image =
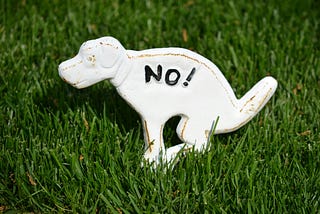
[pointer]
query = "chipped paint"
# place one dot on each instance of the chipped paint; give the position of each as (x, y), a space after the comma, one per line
(184, 128)
(188, 149)
(250, 100)
(71, 66)
(207, 133)
(149, 143)
(108, 44)
(161, 134)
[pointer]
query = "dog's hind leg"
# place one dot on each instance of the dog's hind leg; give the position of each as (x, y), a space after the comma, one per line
(173, 151)
(195, 132)
(154, 146)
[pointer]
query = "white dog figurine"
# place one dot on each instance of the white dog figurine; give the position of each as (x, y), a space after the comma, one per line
(165, 82)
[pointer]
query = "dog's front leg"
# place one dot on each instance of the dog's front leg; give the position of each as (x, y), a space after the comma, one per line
(154, 146)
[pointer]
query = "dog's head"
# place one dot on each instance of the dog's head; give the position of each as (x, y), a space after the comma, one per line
(97, 60)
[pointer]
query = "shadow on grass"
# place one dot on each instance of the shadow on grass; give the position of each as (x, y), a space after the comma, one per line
(99, 99)
(103, 101)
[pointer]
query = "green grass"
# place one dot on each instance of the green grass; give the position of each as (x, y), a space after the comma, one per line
(69, 150)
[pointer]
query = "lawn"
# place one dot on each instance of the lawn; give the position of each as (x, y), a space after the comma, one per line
(68, 150)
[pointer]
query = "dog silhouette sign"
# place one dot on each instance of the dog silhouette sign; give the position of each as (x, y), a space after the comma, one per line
(164, 82)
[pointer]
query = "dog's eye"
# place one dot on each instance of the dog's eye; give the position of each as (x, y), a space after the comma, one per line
(91, 58)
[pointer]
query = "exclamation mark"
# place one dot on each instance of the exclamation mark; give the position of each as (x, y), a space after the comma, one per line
(189, 77)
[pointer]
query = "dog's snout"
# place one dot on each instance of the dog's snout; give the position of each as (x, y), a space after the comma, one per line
(65, 76)
(62, 74)
(60, 69)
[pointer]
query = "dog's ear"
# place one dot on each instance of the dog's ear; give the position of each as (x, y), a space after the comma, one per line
(112, 51)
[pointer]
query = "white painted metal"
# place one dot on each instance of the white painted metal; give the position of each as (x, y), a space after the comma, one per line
(165, 82)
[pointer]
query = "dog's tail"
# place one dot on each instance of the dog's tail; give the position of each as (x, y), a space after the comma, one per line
(251, 103)
(254, 100)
